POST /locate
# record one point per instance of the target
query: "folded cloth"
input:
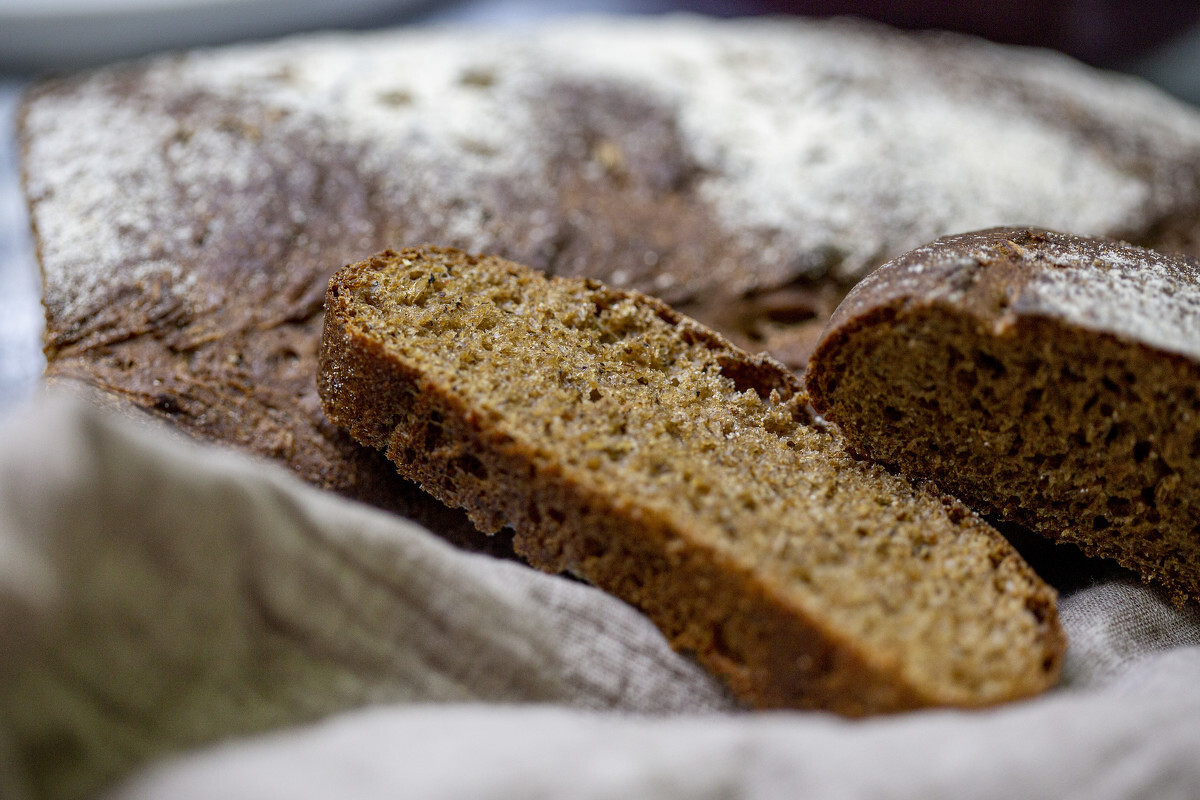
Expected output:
(158, 596)
(1137, 738)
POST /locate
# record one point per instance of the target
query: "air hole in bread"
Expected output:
(167, 404)
(1114, 432)
(470, 465)
(1119, 506)
(591, 548)
(668, 316)
(989, 362)
(433, 436)
(759, 376)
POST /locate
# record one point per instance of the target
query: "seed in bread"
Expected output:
(1050, 379)
(631, 446)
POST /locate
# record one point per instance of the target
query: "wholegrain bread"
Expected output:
(633, 447)
(189, 208)
(1050, 379)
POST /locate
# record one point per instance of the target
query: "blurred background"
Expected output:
(1159, 41)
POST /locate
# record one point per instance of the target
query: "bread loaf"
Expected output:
(189, 209)
(1050, 379)
(629, 445)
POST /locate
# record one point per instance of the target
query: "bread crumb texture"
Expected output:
(1047, 378)
(633, 447)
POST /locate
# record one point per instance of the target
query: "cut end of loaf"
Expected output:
(989, 363)
(630, 445)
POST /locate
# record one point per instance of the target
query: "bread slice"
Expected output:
(1051, 379)
(637, 449)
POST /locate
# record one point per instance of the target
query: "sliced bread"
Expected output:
(188, 208)
(1050, 379)
(633, 447)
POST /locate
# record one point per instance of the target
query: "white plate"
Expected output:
(58, 35)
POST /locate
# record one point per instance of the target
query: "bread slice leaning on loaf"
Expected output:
(1050, 379)
(641, 451)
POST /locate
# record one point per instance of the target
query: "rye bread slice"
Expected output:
(1050, 379)
(631, 446)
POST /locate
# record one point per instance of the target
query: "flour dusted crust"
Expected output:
(634, 447)
(1048, 378)
(189, 209)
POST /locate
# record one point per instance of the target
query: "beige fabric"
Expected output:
(156, 595)
(157, 598)
(1136, 739)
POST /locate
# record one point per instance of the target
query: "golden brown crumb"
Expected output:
(643, 452)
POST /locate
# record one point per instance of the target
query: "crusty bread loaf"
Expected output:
(1051, 379)
(628, 444)
(189, 209)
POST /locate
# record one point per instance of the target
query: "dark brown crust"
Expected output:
(987, 273)
(231, 358)
(770, 653)
(979, 293)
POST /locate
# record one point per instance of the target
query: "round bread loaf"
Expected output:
(189, 209)
(1050, 379)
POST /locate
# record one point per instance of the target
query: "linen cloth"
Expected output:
(179, 621)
